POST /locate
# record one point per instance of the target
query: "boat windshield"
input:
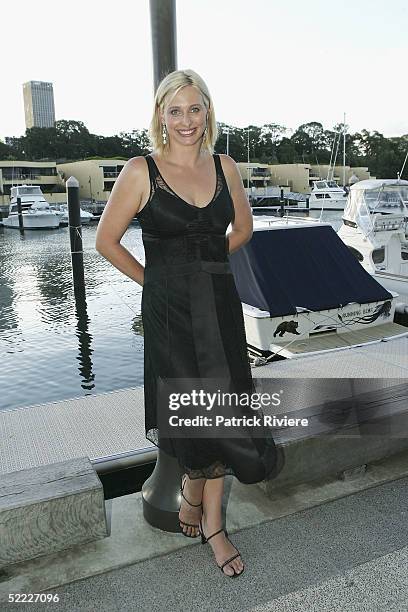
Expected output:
(23, 190)
(333, 184)
(382, 199)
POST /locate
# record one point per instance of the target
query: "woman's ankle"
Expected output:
(193, 492)
(212, 521)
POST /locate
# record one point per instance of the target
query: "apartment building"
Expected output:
(96, 176)
(296, 177)
(43, 174)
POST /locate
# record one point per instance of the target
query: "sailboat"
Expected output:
(326, 193)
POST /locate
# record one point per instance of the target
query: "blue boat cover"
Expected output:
(279, 269)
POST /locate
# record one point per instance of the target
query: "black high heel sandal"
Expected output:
(204, 540)
(194, 506)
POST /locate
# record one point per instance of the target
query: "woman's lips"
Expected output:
(186, 133)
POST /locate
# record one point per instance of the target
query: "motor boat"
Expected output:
(36, 211)
(374, 229)
(303, 291)
(327, 195)
(62, 212)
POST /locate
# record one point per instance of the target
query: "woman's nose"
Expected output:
(186, 120)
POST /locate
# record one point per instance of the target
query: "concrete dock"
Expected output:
(326, 544)
(334, 546)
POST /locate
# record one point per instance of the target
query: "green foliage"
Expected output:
(270, 143)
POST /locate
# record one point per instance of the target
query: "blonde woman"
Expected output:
(185, 197)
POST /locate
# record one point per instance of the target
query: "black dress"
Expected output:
(193, 326)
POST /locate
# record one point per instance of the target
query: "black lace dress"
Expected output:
(193, 325)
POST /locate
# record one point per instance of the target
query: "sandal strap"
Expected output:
(214, 534)
(228, 561)
(188, 524)
(184, 497)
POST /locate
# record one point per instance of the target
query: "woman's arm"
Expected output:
(124, 202)
(242, 226)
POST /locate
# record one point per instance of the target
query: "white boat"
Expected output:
(36, 211)
(62, 212)
(375, 223)
(303, 292)
(327, 195)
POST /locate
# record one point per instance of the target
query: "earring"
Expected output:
(164, 133)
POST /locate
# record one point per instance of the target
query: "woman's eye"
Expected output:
(175, 111)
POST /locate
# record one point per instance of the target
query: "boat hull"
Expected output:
(267, 334)
(329, 204)
(31, 222)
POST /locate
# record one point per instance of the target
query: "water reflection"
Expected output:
(57, 343)
(84, 340)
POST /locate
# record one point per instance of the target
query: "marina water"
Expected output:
(48, 351)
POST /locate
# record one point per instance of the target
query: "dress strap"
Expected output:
(153, 173)
(153, 170)
(220, 171)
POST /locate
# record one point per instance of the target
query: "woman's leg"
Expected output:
(212, 521)
(193, 490)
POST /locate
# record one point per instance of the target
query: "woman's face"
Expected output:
(185, 116)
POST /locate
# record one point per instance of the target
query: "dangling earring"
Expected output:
(164, 133)
(204, 136)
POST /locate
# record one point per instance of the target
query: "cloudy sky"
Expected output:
(265, 61)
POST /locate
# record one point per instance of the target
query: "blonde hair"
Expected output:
(169, 87)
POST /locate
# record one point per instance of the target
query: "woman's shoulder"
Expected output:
(136, 163)
(227, 161)
(135, 173)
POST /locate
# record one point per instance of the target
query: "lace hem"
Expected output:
(273, 462)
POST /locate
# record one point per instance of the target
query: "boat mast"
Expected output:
(403, 166)
(344, 150)
(331, 155)
(335, 157)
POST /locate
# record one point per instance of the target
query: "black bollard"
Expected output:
(161, 491)
(20, 215)
(307, 203)
(75, 233)
(282, 204)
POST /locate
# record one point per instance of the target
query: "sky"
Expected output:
(266, 61)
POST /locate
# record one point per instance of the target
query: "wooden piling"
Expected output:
(20, 215)
(75, 232)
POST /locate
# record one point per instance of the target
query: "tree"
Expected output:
(310, 143)
(270, 136)
(74, 140)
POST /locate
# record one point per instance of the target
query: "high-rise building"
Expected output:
(38, 104)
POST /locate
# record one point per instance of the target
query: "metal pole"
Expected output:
(344, 150)
(161, 491)
(90, 189)
(20, 215)
(227, 140)
(248, 161)
(164, 38)
(75, 233)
